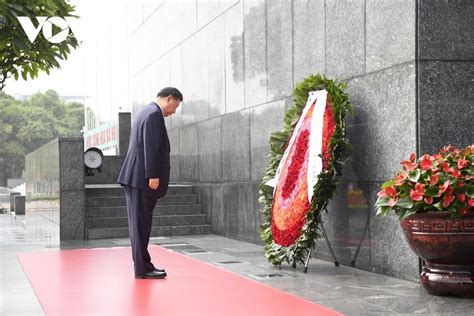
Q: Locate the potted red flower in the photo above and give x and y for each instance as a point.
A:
(434, 198)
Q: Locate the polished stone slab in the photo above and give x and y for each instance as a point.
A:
(201, 72)
(210, 150)
(72, 204)
(189, 79)
(176, 80)
(309, 55)
(124, 129)
(188, 153)
(217, 209)
(234, 57)
(236, 146)
(391, 28)
(255, 52)
(264, 119)
(71, 163)
(216, 67)
(204, 193)
(344, 289)
(383, 130)
(446, 99)
(173, 136)
(279, 48)
(345, 34)
(446, 30)
(19, 205)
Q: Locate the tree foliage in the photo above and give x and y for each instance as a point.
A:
(18, 56)
(29, 124)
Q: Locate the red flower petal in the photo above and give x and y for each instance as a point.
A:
(428, 200)
(296, 162)
(426, 162)
(446, 168)
(456, 174)
(447, 199)
(443, 188)
(434, 179)
(392, 202)
(416, 195)
(420, 187)
(409, 166)
(470, 202)
(390, 191)
(399, 178)
(462, 163)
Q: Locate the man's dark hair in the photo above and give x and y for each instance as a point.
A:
(170, 91)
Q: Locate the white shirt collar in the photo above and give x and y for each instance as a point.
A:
(159, 106)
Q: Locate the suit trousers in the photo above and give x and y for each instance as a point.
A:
(140, 206)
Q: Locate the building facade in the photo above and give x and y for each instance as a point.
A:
(407, 64)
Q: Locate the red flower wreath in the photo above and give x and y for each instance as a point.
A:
(290, 203)
(291, 224)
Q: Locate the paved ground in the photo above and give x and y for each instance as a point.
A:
(347, 290)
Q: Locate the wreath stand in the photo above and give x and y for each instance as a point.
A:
(366, 228)
(336, 262)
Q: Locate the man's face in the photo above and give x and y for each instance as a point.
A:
(171, 106)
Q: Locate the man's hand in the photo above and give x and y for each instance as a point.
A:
(154, 183)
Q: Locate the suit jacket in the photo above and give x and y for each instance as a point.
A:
(148, 154)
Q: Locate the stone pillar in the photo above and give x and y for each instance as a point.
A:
(445, 64)
(19, 205)
(124, 129)
(72, 190)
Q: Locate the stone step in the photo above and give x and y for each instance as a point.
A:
(122, 232)
(121, 211)
(121, 201)
(94, 190)
(160, 220)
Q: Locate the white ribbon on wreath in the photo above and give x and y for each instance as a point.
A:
(315, 164)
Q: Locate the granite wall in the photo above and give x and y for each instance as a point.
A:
(72, 193)
(237, 63)
(55, 184)
(445, 73)
(56, 179)
(109, 171)
(42, 181)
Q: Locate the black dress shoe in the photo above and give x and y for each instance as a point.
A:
(151, 275)
(160, 270)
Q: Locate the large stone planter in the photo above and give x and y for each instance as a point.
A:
(447, 249)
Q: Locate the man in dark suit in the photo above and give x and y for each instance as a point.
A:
(145, 175)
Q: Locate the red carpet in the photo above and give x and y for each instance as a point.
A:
(101, 282)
